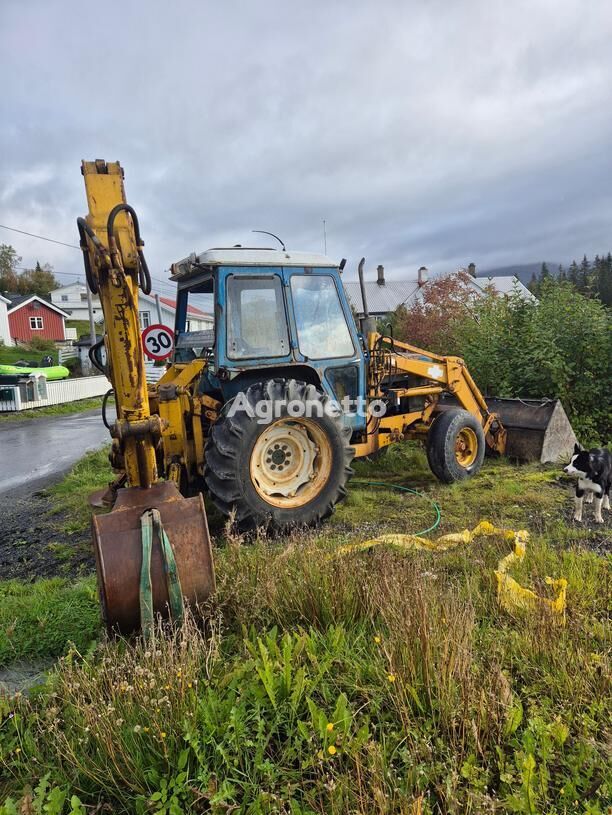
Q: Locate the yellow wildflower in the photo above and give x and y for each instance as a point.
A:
(377, 640)
(162, 735)
(391, 677)
(330, 727)
(18, 749)
(332, 750)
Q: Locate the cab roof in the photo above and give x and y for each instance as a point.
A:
(246, 256)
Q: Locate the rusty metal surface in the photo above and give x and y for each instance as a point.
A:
(118, 551)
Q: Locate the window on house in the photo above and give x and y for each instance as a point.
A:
(36, 323)
(83, 297)
(145, 319)
(64, 298)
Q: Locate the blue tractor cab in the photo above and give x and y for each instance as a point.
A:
(277, 314)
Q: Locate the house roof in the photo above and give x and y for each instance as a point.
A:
(505, 284)
(20, 300)
(191, 310)
(381, 299)
(78, 283)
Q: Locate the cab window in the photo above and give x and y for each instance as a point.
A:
(256, 319)
(319, 318)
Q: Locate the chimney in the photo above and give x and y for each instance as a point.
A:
(472, 269)
(381, 275)
(423, 276)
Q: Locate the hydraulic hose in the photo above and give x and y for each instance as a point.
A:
(144, 275)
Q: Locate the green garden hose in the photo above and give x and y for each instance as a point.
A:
(434, 504)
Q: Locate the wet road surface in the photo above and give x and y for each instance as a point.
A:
(34, 452)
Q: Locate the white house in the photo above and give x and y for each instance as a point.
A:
(197, 320)
(73, 299)
(5, 333)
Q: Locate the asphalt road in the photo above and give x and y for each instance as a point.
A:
(34, 452)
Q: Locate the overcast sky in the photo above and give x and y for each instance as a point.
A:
(429, 132)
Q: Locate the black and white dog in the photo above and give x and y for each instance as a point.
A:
(594, 471)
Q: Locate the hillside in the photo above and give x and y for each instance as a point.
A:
(524, 271)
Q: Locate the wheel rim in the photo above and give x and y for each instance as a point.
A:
(290, 463)
(466, 447)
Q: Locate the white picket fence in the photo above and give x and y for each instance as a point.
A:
(17, 397)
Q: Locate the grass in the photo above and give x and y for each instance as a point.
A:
(65, 409)
(82, 327)
(39, 619)
(368, 683)
(71, 495)
(10, 354)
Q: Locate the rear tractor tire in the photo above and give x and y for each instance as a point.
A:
(455, 446)
(289, 471)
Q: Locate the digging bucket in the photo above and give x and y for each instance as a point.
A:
(538, 430)
(118, 546)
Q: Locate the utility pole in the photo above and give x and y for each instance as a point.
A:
(159, 311)
(324, 238)
(92, 326)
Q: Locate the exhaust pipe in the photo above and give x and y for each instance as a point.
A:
(367, 323)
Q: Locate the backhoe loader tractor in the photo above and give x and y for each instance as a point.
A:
(264, 413)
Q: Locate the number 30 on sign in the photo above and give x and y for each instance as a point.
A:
(158, 341)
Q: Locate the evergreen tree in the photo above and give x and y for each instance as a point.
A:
(604, 280)
(573, 274)
(585, 280)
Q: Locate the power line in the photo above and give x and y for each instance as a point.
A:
(160, 283)
(40, 237)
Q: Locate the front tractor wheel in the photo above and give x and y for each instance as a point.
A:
(290, 469)
(455, 446)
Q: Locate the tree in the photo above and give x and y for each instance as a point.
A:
(533, 284)
(431, 320)
(559, 347)
(9, 261)
(39, 280)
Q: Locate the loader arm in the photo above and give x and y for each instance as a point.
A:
(439, 374)
(153, 550)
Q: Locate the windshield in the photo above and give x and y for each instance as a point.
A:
(321, 324)
(257, 324)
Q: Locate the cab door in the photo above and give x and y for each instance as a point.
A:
(324, 337)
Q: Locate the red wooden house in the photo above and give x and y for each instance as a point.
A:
(31, 316)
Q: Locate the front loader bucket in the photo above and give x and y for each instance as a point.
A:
(537, 430)
(118, 548)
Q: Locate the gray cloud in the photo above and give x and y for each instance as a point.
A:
(431, 133)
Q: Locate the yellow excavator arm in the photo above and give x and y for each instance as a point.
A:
(153, 549)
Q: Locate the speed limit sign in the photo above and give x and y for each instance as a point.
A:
(158, 341)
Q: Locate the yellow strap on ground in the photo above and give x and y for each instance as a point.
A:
(511, 596)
